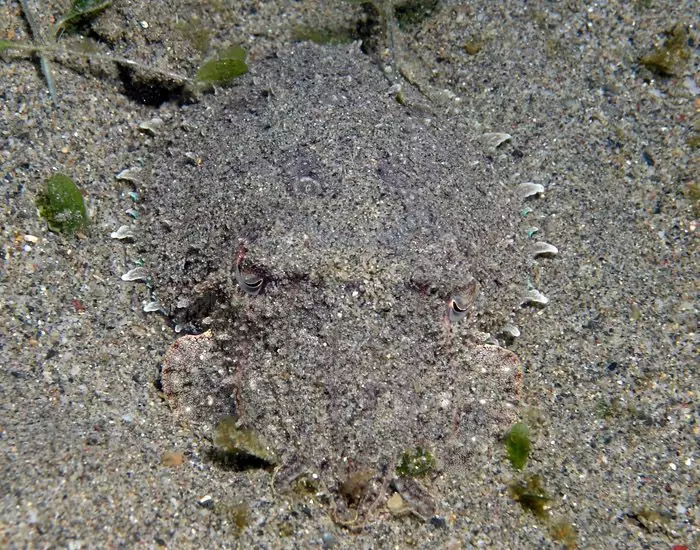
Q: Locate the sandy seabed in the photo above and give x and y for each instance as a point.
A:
(92, 454)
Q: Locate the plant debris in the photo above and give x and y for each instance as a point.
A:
(518, 445)
(531, 495)
(61, 204)
(80, 11)
(671, 58)
(222, 70)
(417, 463)
(240, 446)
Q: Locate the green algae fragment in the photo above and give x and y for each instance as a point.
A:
(672, 56)
(80, 11)
(5, 45)
(416, 463)
(240, 446)
(61, 204)
(237, 515)
(518, 445)
(562, 531)
(401, 98)
(305, 486)
(531, 495)
(473, 47)
(229, 65)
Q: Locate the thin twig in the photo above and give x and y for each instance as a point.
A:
(29, 16)
(48, 75)
(43, 62)
(55, 52)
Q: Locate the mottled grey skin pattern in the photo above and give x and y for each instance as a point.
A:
(346, 356)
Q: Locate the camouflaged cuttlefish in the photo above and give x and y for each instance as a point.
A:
(347, 256)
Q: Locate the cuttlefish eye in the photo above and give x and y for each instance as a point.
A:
(250, 285)
(460, 304)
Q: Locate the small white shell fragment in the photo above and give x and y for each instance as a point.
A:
(511, 330)
(494, 139)
(152, 126)
(534, 297)
(149, 307)
(136, 274)
(529, 189)
(31, 239)
(124, 232)
(542, 248)
(130, 174)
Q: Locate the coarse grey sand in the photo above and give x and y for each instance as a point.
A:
(100, 445)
